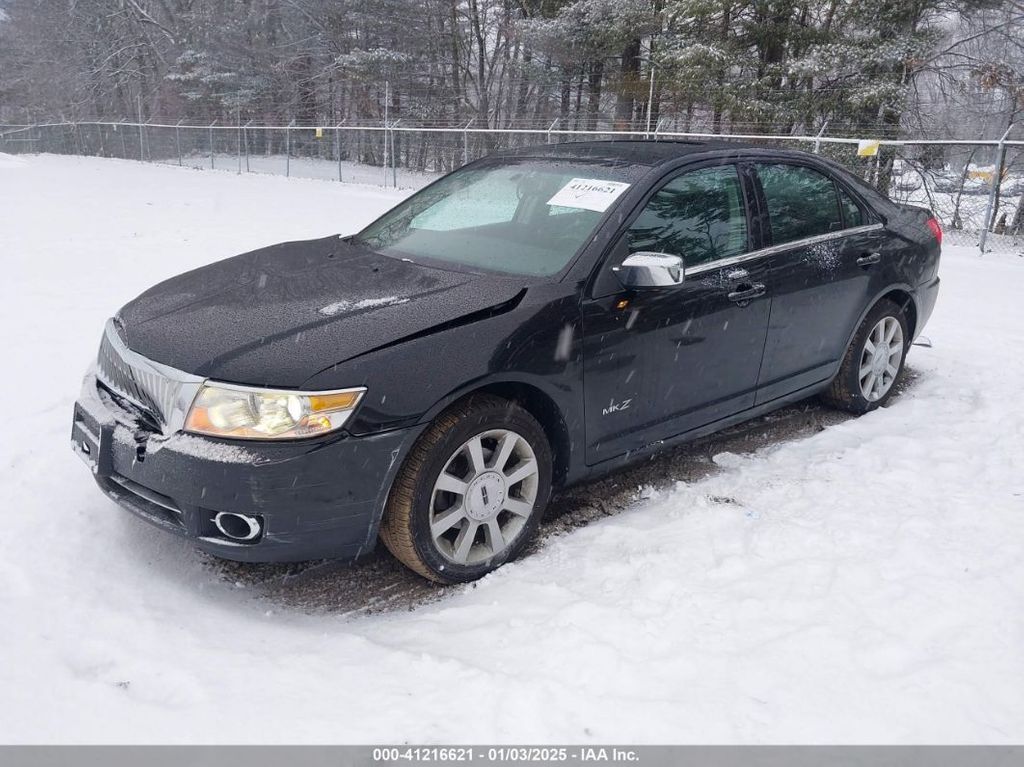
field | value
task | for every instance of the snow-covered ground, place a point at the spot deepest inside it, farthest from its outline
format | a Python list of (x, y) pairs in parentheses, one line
[(864, 584)]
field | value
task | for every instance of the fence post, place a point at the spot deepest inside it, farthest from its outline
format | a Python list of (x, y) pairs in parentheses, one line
[(210, 130), (394, 155), (551, 128), (817, 143), (658, 127), (288, 149), (245, 141), (465, 141), (387, 99), (337, 145), (384, 156), (142, 138), (650, 101), (124, 143), (238, 139), (177, 141), (997, 177)]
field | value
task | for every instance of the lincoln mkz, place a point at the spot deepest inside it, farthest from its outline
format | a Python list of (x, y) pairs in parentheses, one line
[(537, 318)]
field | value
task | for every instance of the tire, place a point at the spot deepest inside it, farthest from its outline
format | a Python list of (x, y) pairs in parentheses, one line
[(473, 496), (858, 392)]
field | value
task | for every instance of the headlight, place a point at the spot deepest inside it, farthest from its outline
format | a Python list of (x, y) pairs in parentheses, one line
[(226, 410)]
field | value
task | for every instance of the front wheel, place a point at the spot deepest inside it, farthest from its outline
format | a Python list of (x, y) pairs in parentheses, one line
[(471, 492), (874, 361)]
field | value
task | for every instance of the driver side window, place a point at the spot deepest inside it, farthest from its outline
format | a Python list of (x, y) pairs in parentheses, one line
[(699, 216)]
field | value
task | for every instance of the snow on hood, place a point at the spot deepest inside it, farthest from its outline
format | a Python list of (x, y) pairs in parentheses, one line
[(343, 306)]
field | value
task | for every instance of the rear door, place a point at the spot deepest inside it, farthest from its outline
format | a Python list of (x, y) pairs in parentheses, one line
[(825, 254), (661, 361)]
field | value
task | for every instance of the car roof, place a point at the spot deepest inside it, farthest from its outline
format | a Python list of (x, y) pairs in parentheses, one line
[(633, 151), (654, 153)]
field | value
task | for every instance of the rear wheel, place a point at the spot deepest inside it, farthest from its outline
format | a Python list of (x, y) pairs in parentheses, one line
[(874, 361), (471, 493)]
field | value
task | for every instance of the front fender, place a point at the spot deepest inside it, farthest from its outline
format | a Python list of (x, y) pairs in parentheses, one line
[(536, 344), (561, 397)]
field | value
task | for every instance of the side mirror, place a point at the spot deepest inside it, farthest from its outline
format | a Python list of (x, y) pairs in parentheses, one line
[(650, 270)]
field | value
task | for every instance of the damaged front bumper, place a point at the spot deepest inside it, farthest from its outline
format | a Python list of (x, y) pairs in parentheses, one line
[(313, 499)]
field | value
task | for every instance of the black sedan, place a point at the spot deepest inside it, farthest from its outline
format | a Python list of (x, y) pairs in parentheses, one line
[(534, 319)]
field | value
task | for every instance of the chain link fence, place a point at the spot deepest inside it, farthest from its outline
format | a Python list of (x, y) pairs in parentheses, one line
[(975, 187)]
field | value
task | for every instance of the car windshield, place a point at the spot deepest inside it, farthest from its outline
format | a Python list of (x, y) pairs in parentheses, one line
[(525, 217)]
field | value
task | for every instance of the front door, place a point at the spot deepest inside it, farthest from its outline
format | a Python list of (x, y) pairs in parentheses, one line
[(820, 276), (659, 362)]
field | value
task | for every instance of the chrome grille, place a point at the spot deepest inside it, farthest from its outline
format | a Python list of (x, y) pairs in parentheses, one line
[(121, 378), (161, 391)]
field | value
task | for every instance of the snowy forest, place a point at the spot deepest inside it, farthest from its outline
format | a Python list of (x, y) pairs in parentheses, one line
[(927, 68)]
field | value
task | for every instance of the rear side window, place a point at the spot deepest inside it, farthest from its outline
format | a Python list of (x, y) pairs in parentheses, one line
[(853, 214), (801, 202), (699, 216)]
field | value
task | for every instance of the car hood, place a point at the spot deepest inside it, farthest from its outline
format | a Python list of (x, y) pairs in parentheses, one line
[(279, 315)]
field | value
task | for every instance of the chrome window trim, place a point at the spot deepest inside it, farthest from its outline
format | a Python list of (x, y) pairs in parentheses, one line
[(743, 258)]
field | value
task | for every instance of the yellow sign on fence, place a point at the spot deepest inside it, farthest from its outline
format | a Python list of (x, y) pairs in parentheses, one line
[(867, 148), (319, 132)]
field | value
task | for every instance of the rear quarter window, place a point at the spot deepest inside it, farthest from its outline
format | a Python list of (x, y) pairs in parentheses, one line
[(802, 202), (853, 213)]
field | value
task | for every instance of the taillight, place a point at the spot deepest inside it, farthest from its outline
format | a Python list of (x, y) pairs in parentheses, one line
[(936, 227)]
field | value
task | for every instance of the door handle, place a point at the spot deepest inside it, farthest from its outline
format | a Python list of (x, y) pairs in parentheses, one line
[(869, 259), (753, 291)]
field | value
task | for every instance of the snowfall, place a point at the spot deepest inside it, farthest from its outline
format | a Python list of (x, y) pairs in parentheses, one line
[(864, 584)]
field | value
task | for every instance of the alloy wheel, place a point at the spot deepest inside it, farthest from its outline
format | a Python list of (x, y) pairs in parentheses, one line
[(880, 359), (483, 497)]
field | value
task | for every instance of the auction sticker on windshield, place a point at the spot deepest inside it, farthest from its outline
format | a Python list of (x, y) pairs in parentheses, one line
[(589, 194)]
